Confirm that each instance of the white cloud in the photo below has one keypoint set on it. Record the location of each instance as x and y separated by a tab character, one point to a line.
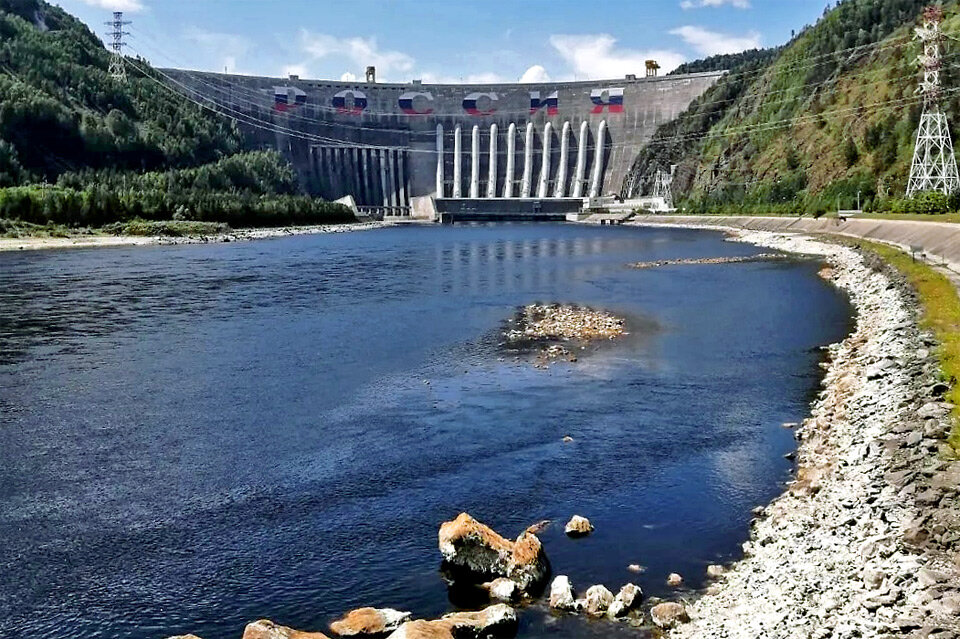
697	4
712	43
362	52
226	48
348	77
594	57
534	74
132	6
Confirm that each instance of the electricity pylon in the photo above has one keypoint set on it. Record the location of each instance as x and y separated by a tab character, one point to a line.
117	68
934	165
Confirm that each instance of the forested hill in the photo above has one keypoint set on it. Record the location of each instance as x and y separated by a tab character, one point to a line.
830	115
61	111
119	151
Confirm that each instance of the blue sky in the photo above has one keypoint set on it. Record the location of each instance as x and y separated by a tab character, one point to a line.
446	40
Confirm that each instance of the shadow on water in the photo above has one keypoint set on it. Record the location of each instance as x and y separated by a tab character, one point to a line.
194	437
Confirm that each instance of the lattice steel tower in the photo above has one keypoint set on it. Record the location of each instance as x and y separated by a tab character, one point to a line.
663	187
934	165
117	68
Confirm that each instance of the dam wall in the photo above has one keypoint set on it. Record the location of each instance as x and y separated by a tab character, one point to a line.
385	144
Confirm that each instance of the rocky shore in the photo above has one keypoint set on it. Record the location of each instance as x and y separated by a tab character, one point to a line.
864	542
240	235
763	257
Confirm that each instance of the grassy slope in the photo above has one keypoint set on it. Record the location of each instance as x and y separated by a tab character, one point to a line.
784	131
941	314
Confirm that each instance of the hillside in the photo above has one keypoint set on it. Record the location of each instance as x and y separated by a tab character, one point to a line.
120	151
834	113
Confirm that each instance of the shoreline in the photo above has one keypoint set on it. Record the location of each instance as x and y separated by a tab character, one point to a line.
863	542
238	235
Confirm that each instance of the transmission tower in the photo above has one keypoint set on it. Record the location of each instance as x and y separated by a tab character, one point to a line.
663	187
934	165
117	68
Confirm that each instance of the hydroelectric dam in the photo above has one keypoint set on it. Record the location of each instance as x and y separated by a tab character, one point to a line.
537	149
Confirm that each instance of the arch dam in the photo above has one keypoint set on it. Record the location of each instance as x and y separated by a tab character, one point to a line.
536	149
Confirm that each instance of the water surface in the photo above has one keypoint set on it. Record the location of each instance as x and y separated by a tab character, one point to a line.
194	437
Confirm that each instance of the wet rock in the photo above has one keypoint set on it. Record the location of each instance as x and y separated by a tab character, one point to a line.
561	594
539	527
626	601
636	568
496	621
470	546
184	637
266	629
504	590
568	440
491	623
369	621
715	571
578	527
674	580
597	601
421	629
669	614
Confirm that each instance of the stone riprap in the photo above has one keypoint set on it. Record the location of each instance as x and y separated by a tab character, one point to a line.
763	257
863	543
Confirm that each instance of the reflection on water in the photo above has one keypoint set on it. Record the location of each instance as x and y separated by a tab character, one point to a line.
193	437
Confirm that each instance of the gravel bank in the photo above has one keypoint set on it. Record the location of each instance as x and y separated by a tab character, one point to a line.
241	235
864	542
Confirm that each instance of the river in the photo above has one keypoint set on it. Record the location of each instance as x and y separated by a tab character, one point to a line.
194	437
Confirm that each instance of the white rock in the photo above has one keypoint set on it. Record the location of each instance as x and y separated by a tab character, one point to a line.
578	526
597	600
626	600
561	594
504	590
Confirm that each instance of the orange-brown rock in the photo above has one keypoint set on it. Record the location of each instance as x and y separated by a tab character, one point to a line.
369	621
266	629
423	630
467	544
495	621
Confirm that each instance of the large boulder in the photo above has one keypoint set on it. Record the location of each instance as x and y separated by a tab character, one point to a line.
597	601
468	545
626	601
669	614
495	622
561	594
266	629
369	621
421	629
578	526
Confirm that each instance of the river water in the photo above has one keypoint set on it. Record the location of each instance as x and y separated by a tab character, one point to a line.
193	437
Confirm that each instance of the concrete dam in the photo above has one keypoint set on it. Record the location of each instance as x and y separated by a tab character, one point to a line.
388	145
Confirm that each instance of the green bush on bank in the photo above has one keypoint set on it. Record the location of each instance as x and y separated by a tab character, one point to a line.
99	206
